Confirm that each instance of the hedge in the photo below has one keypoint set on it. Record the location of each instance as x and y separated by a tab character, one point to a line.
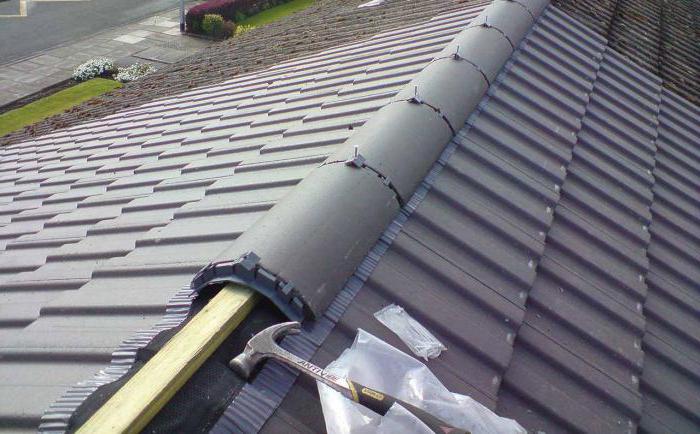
232	10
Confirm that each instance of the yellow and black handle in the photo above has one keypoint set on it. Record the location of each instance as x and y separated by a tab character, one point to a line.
381	403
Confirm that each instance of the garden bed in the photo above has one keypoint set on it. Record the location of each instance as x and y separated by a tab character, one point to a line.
50	90
90	79
221	19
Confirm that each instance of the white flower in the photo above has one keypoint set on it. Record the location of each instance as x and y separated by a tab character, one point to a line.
94	68
134	72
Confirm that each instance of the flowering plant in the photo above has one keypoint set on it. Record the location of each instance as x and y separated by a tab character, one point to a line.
97	67
134	72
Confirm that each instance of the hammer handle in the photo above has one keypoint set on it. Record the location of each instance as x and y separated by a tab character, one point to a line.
381	403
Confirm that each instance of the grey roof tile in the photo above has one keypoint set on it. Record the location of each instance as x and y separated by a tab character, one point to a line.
594	255
143	199
669	380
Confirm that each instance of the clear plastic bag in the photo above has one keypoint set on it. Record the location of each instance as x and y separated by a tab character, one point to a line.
421	342
377	364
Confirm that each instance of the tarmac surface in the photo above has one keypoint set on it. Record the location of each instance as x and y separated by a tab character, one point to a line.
155	39
28	27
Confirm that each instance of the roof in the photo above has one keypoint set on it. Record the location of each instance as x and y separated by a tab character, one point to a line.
553	246
103	223
659	36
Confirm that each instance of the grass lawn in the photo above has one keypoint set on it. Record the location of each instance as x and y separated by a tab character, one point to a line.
54	104
276	13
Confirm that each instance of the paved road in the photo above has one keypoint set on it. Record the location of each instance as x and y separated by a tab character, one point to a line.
53	22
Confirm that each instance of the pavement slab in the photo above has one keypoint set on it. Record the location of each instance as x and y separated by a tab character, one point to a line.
128	39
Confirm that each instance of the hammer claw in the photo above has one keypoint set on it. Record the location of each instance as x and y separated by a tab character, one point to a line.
285	328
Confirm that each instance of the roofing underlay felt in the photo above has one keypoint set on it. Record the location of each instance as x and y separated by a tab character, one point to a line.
554	247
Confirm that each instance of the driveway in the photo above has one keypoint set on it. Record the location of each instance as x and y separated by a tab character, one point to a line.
48	23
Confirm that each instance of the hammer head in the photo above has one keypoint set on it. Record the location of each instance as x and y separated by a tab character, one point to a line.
261	346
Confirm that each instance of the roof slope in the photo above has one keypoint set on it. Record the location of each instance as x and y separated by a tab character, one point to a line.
670	381
554	249
660	36
103	223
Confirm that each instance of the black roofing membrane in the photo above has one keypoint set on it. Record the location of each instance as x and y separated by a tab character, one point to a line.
197	406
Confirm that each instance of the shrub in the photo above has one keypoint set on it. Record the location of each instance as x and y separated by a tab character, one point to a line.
225	8
134	72
232	10
228	29
97	67
212	24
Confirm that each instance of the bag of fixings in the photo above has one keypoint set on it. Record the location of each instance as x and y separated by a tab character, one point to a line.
376	364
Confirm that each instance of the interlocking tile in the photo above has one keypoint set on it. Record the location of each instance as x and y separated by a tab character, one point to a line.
556	251
110	219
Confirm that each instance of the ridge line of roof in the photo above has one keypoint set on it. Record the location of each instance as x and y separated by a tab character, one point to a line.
236	418
316	237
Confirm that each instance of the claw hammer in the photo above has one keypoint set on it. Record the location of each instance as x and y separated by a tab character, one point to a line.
264	345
